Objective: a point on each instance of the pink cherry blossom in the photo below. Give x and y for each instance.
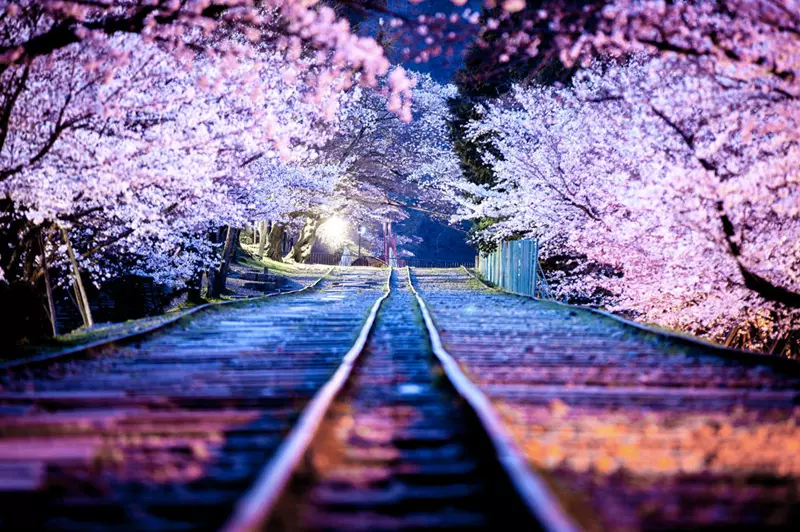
(684, 184)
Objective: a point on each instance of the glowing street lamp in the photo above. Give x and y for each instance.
(333, 231)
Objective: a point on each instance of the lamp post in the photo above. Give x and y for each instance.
(360, 232)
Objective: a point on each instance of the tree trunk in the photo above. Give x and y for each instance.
(51, 305)
(194, 288)
(731, 336)
(274, 250)
(80, 291)
(301, 251)
(250, 231)
(262, 241)
(221, 274)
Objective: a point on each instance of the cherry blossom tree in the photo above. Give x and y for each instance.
(34, 29)
(145, 162)
(133, 129)
(130, 130)
(751, 39)
(682, 180)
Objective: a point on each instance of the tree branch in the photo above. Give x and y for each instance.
(763, 287)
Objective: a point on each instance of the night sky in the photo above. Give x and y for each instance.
(441, 69)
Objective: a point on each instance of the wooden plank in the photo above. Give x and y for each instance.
(22, 475)
(81, 450)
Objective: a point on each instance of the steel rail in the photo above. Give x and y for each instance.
(686, 339)
(254, 509)
(88, 348)
(534, 492)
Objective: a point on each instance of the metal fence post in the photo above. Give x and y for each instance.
(512, 271)
(493, 265)
(496, 253)
(510, 259)
(512, 249)
(497, 265)
(517, 271)
(531, 269)
(523, 266)
(535, 265)
(500, 265)
(506, 264)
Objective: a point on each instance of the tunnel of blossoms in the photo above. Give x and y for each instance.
(395, 264)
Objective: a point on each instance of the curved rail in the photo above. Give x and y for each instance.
(254, 509)
(686, 339)
(538, 498)
(86, 349)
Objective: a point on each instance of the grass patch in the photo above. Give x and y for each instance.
(105, 331)
(479, 282)
(186, 305)
(250, 259)
(85, 336)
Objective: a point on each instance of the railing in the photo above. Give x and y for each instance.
(335, 259)
(515, 266)
(431, 263)
(328, 259)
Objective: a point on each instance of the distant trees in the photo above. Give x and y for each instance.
(389, 162)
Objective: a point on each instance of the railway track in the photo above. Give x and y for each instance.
(633, 430)
(400, 447)
(369, 404)
(168, 432)
(327, 410)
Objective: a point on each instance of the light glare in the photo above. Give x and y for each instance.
(333, 231)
